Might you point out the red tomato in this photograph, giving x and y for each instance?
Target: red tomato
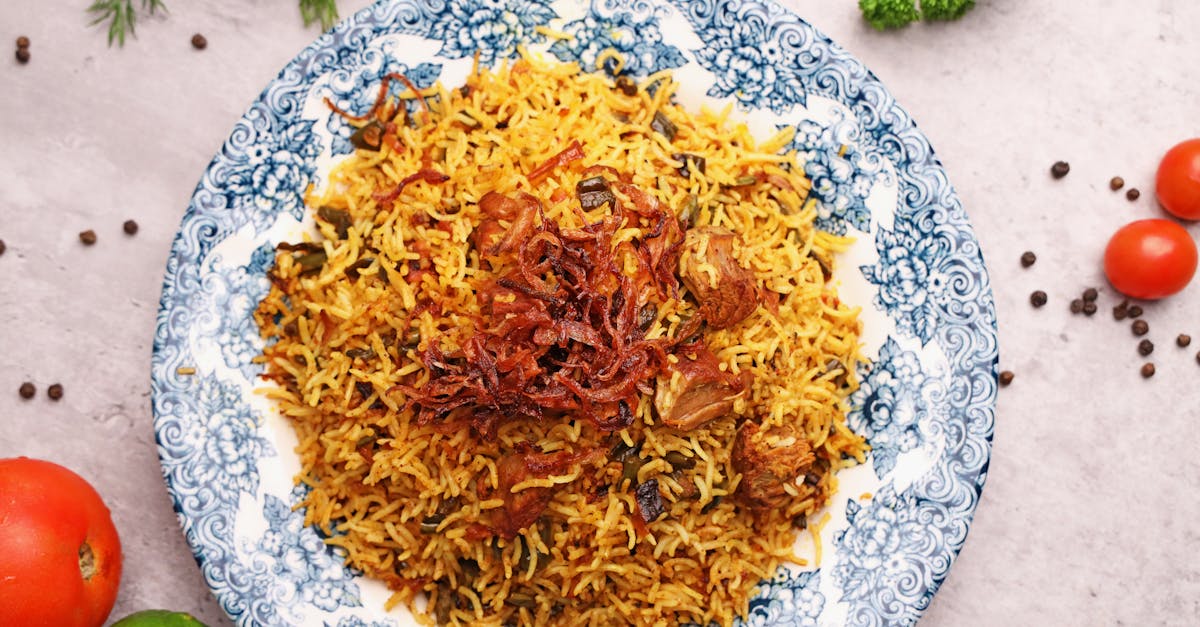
(1150, 259)
(60, 557)
(1178, 180)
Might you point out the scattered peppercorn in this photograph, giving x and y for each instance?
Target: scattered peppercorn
(2, 247)
(1145, 347)
(1135, 311)
(1038, 298)
(22, 42)
(1116, 183)
(23, 55)
(1120, 312)
(1140, 327)
(1006, 377)
(1147, 370)
(1183, 340)
(88, 237)
(1028, 259)
(1198, 357)
(27, 390)
(130, 227)
(1076, 306)
(1090, 295)
(55, 391)
(1060, 169)
(1089, 308)
(1133, 193)
(199, 42)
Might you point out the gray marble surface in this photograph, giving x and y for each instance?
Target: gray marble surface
(1089, 514)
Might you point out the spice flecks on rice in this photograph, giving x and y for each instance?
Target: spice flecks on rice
(564, 354)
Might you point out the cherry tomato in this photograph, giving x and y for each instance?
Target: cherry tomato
(60, 557)
(1150, 259)
(1178, 180)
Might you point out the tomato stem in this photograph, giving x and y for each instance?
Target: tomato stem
(87, 561)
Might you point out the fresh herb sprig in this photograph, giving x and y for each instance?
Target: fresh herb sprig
(885, 14)
(122, 16)
(323, 11)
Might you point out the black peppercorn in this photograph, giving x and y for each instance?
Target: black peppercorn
(199, 42)
(1183, 340)
(1120, 312)
(88, 237)
(1006, 377)
(1133, 193)
(1038, 298)
(1140, 327)
(1135, 311)
(1076, 306)
(55, 391)
(22, 42)
(22, 55)
(1147, 370)
(2, 247)
(1145, 347)
(1090, 295)
(1116, 183)
(1089, 308)
(1060, 169)
(1028, 259)
(130, 227)
(27, 390)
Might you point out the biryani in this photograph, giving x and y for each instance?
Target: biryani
(562, 352)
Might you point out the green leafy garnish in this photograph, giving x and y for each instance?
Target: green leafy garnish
(323, 11)
(886, 14)
(945, 9)
(121, 16)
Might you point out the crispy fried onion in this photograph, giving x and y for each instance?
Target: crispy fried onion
(559, 330)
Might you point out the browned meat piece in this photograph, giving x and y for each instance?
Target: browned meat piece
(694, 390)
(523, 508)
(728, 297)
(766, 460)
(521, 211)
(486, 235)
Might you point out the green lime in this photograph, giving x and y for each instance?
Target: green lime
(159, 618)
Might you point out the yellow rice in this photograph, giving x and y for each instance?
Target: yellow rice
(374, 474)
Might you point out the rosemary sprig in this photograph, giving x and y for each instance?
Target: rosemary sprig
(121, 16)
(323, 11)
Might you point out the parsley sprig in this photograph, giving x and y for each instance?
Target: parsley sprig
(122, 17)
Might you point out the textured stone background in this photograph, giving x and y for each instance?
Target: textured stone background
(1089, 516)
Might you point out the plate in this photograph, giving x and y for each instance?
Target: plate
(927, 399)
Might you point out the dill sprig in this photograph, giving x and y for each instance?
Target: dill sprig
(121, 16)
(323, 11)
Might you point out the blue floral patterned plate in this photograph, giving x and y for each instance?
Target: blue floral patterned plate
(926, 401)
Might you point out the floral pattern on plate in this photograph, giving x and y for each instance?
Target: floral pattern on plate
(630, 29)
(926, 402)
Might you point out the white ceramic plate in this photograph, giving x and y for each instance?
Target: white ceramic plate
(926, 402)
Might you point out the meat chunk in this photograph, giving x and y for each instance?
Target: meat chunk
(724, 289)
(767, 459)
(523, 508)
(520, 211)
(694, 390)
